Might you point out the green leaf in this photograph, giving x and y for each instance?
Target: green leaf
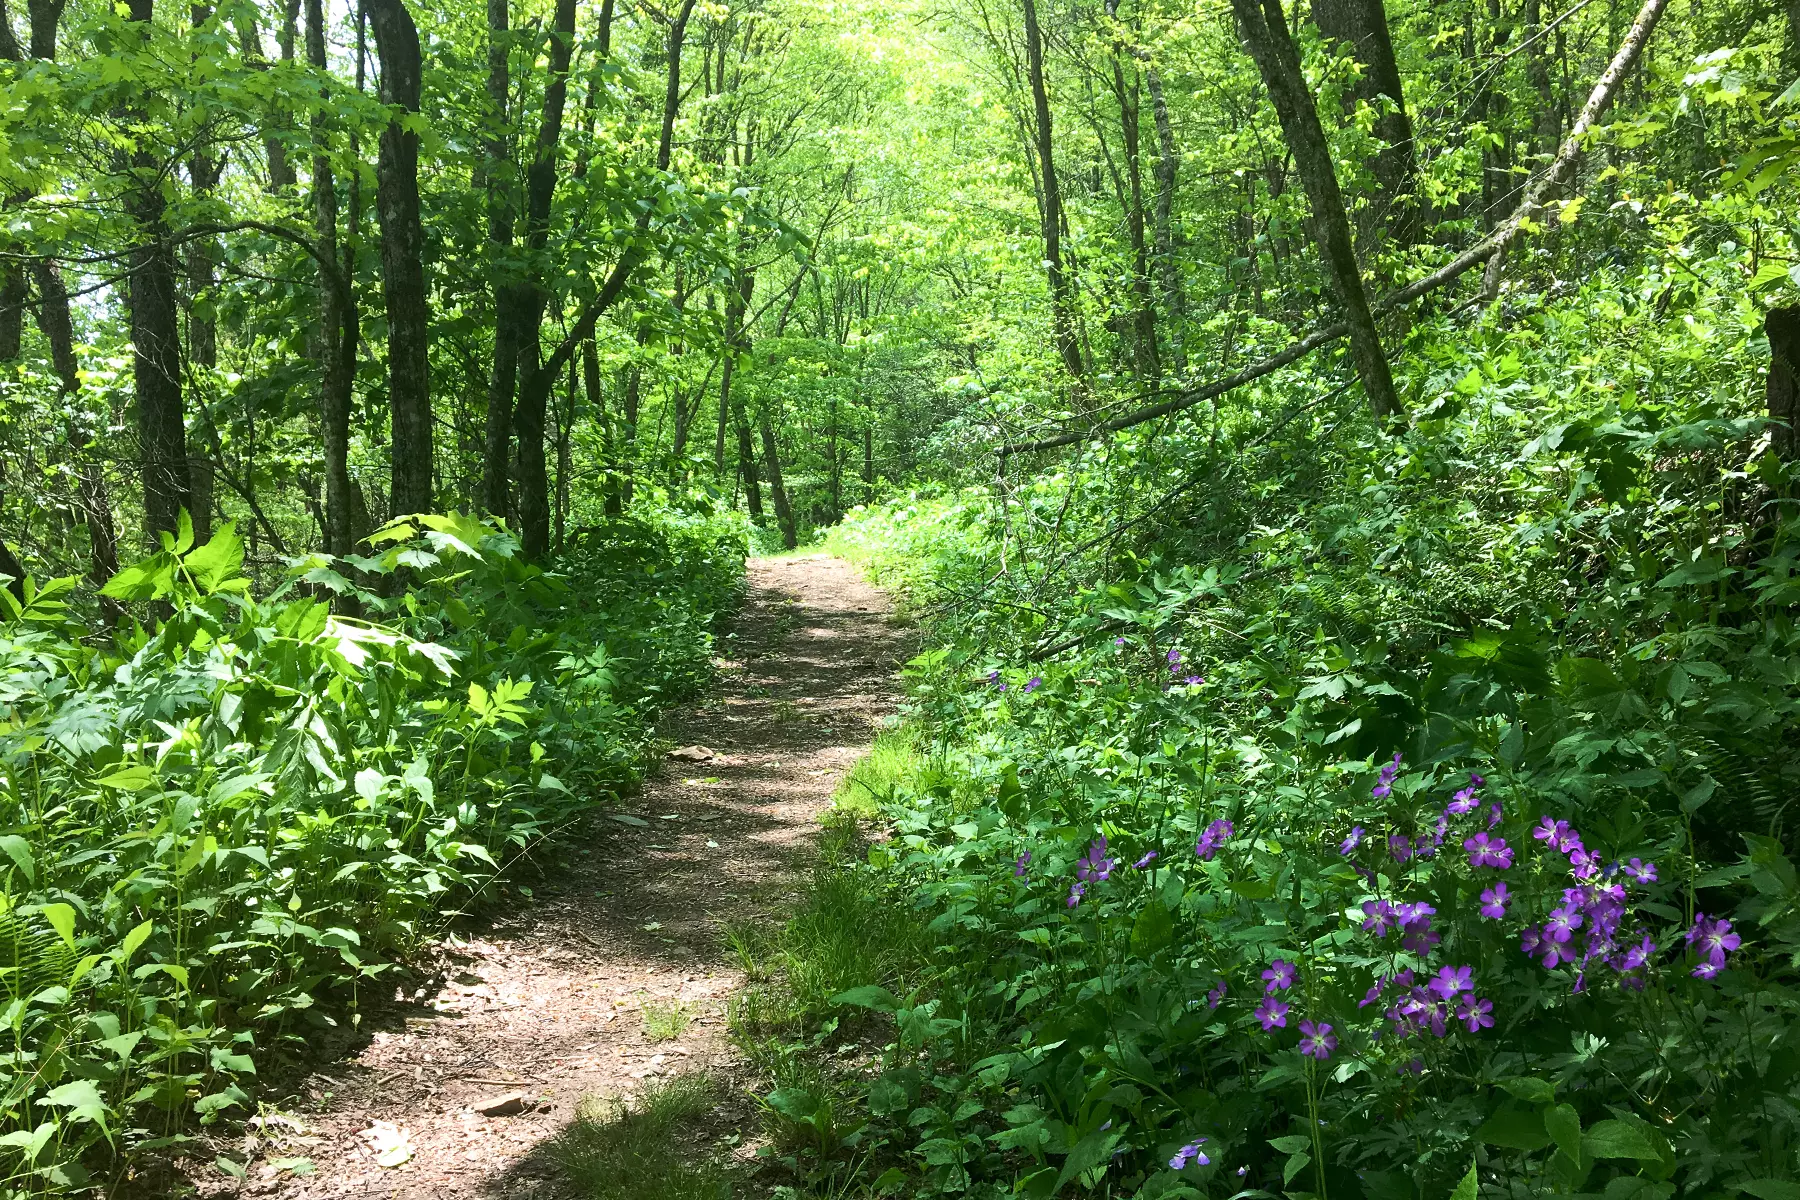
(1769, 1189)
(19, 850)
(62, 919)
(1616, 1139)
(129, 945)
(217, 562)
(1469, 1187)
(1152, 929)
(1564, 1126)
(83, 1101)
(1515, 1128)
(869, 996)
(1293, 1143)
(1295, 1164)
(1530, 1089)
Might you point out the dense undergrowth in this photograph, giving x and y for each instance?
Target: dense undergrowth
(225, 828)
(1299, 810)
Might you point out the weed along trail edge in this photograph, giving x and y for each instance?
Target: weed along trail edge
(617, 975)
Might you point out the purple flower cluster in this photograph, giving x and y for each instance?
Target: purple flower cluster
(1189, 1153)
(1034, 683)
(1585, 927)
(1429, 1007)
(1412, 920)
(1213, 837)
(1020, 864)
(994, 680)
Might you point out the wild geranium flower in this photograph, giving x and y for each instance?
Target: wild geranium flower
(1034, 683)
(1464, 800)
(1451, 982)
(1378, 917)
(1486, 851)
(1493, 902)
(1712, 940)
(1494, 814)
(1551, 832)
(1531, 939)
(1415, 927)
(1215, 994)
(1582, 864)
(993, 676)
(1076, 891)
(1096, 867)
(1272, 1013)
(1317, 1041)
(1637, 956)
(1640, 871)
(1373, 994)
(1193, 679)
(1555, 954)
(1350, 843)
(1020, 864)
(1384, 781)
(1399, 847)
(1145, 861)
(1189, 1153)
(1279, 976)
(1118, 641)
(1475, 1013)
(1214, 836)
(1564, 921)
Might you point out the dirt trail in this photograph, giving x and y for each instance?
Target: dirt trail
(549, 1001)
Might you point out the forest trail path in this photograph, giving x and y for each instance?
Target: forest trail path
(549, 1000)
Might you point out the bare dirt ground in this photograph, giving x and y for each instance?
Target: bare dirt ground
(550, 1001)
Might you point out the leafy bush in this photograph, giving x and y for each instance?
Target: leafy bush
(234, 822)
(1574, 583)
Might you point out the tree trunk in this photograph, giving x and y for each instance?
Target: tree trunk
(1168, 161)
(737, 344)
(46, 15)
(540, 189)
(496, 168)
(868, 471)
(202, 328)
(1146, 362)
(1062, 305)
(12, 311)
(590, 371)
(1265, 28)
(402, 261)
(1362, 26)
(337, 318)
(156, 341)
(1783, 394)
(784, 512)
(14, 570)
(565, 421)
(747, 466)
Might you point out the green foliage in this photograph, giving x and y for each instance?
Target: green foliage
(225, 829)
(645, 1148)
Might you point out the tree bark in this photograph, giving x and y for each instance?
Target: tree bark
(402, 261)
(497, 167)
(12, 312)
(747, 466)
(338, 320)
(1146, 361)
(784, 512)
(1265, 29)
(1168, 162)
(1783, 392)
(46, 16)
(1362, 26)
(540, 189)
(156, 340)
(1062, 304)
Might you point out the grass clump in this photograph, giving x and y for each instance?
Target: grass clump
(875, 781)
(664, 1022)
(633, 1149)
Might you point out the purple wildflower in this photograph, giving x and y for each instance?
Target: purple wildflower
(1531, 939)
(1076, 892)
(1485, 851)
(1214, 836)
(1637, 956)
(1215, 994)
(1384, 783)
(1317, 1041)
(1191, 679)
(1451, 982)
(1551, 832)
(1096, 867)
(1399, 847)
(1713, 940)
(1034, 683)
(1378, 917)
(1020, 864)
(1373, 994)
(1475, 1013)
(1189, 1153)
(1353, 841)
(1493, 902)
(1640, 871)
(1272, 1013)
(1280, 976)
(1564, 921)
(1145, 861)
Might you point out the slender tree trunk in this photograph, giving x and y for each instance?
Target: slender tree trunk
(337, 317)
(12, 311)
(156, 341)
(747, 466)
(868, 471)
(565, 421)
(14, 570)
(1146, 361)
(1062, 302)
(1362, 26)
(91, 490)
(1782, 394)
(610, 491)
(202, 328)
(496, 170)
(1546, 124)
(1168, 162)
(1265, 28)
(402, 261)
(540, 189)
(784, 512)
(737, 345)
